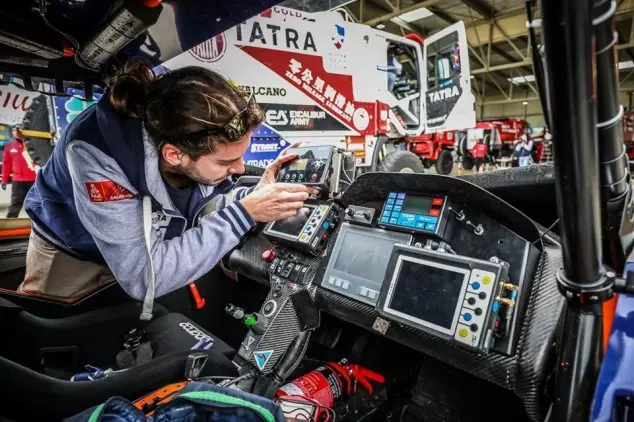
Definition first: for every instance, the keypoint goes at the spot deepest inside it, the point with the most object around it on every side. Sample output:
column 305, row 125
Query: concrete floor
column 5, row 200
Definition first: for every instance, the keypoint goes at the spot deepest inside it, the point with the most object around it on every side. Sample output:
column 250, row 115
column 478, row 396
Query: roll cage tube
column 591, row 169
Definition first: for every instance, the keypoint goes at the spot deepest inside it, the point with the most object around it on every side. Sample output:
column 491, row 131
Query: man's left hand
column 270, row 174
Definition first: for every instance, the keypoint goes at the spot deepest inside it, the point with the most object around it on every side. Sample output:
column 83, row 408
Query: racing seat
column 38, row 356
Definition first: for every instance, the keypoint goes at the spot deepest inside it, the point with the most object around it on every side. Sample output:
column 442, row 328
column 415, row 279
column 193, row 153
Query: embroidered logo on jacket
column 107, row 191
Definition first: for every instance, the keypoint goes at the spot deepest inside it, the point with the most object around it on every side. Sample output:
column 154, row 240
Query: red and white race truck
column 322, row 79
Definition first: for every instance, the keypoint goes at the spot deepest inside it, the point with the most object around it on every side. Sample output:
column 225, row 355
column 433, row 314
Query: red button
column 434, row 213
column 437, row 201
column 497, row 324
column 268, row 255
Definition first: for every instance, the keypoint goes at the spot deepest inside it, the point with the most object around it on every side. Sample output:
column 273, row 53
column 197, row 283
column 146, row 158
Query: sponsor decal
column 264, row 90
column 13, row 104
column 193, row 331
column 332, row 91
column 107, row 191
column 211, row 50
column 262, row 34
column 296, row 117
column 262, row 358
column 339, row 38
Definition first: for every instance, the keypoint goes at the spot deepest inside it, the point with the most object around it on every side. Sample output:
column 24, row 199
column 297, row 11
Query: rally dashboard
column 432, row 262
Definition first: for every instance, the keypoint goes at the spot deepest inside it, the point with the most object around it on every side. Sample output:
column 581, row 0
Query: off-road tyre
column 36, row 118
column 467, row 163
column 444, row 163
column 402, row 162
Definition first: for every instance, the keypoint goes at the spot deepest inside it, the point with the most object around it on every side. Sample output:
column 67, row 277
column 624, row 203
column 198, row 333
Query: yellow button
column 463, row 332
column 486, row 279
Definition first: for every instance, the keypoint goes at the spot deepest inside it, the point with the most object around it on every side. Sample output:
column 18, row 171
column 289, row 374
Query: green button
column 463, row 332
column 249, row 321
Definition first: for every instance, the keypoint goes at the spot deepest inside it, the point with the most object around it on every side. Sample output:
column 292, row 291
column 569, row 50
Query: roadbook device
column 312, row 168
column 307, row 231
column 449, row 296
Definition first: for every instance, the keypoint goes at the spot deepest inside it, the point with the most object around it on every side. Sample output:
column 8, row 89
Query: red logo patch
column 210, row 50
column 107, row 191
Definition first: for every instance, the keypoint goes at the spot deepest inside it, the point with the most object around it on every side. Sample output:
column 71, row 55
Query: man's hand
column 4, row 186
column 270, row 174
column 275, row 201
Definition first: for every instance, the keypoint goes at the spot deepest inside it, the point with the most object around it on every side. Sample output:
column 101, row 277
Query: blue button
column 514, row 295
column 397, row 208
column 467, row 316
column 401, row 196
column 395, row 214
column 420, row 225
column 392, row 195
column 475, row 285
column 385, row 220
column 393, row 220
column 391, row 201
column 308, row 228
column 430, row 226
column 318, row 212
column 388, row 207
column 399, row 202
column 387, row 214
column 496, row 306
column 326, row 225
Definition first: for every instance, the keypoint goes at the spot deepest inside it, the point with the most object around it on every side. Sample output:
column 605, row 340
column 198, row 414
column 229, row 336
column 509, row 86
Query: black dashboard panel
column 507, row 234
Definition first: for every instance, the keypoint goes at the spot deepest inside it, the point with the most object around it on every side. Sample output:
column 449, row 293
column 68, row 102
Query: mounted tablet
column 312, row 168
column 450, row 296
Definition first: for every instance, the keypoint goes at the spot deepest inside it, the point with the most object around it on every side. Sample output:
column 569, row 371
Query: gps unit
column 311, row 168
column 425, row 214
column 308, row 230
column 359, row 260
column 449, row 296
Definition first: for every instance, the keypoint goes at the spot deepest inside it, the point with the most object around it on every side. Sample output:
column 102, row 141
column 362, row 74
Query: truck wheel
column 467, row 163
column 444, row 163
column 402, row 162
column 36, row 118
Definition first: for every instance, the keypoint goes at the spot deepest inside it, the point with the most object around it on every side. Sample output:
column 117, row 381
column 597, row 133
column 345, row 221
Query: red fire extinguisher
column 329, row 383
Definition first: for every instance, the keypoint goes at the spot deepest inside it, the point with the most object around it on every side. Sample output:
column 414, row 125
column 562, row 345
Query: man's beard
column 190, row 172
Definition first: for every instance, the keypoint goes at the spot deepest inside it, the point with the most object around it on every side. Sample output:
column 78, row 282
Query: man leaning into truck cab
column 138, row 188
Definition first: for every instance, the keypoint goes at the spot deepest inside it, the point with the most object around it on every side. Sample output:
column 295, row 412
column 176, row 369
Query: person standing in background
column 525, row 158
column 479, row 152
column 17, row 164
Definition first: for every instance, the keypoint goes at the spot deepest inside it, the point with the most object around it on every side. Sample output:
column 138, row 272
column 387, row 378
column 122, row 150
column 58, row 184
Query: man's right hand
column 276, row 201
column 4, row 186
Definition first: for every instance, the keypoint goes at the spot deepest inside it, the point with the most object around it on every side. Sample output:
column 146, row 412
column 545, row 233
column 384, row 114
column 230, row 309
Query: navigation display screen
column 309, row 168
column 359, row 261
column 414, row 212
column 427, row 293
column 292, row 226
column 364, row 257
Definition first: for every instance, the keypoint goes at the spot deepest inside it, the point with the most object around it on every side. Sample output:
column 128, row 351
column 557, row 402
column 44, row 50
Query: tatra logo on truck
column 274, row 36
column 211, row 50
column 444, row 94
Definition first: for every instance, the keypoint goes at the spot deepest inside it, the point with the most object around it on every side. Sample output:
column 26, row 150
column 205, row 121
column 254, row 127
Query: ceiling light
column 380, row 26
column 415, row 15
column 525, row 103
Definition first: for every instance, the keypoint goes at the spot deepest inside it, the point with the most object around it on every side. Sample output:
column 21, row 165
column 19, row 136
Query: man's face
column 214, row 168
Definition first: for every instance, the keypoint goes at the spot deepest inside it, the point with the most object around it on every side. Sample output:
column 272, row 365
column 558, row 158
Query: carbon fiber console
column 520, row 364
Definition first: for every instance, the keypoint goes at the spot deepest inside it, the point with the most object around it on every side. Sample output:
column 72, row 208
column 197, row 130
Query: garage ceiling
column 499, row 48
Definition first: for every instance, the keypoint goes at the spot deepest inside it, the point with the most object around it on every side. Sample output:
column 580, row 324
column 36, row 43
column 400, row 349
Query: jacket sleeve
column 6, row 164
column 117, row 228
